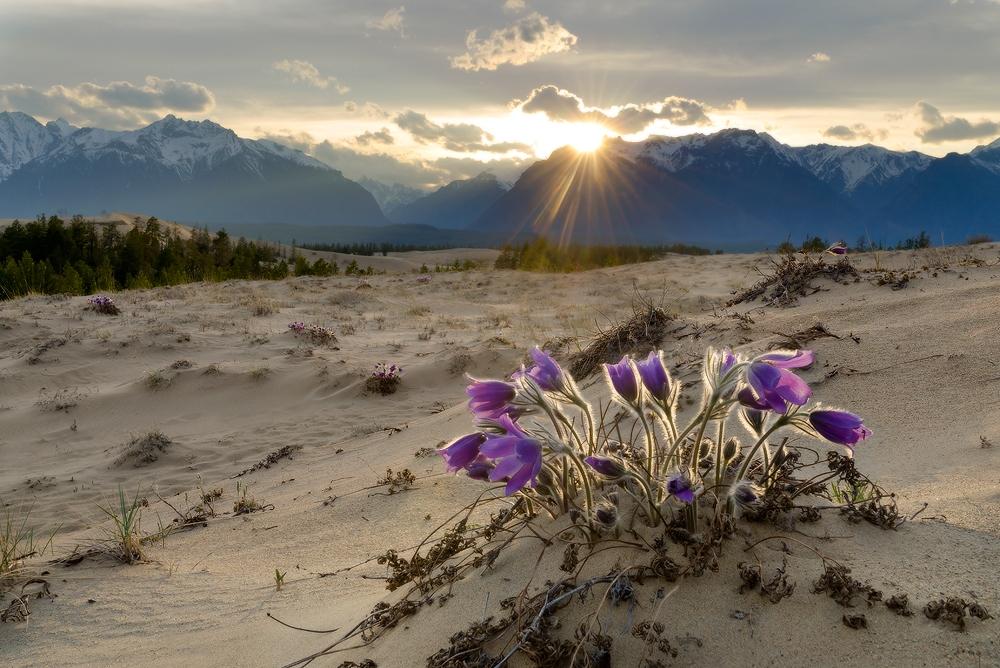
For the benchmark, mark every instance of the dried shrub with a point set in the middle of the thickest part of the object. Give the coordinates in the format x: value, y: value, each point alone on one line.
x: 955, y: 611
x: 792, y: 277
x: 143, y: 449
x: 640, y: 333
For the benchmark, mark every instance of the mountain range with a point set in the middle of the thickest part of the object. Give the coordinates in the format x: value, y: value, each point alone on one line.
x: 730, y: 189
x: 185, y: 170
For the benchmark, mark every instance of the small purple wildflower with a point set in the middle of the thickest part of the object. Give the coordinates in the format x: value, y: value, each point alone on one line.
x: 839, y: 248
x: 679, y: 486
x: 490, y: 398
x: 771, y: 384
x: 623, y: 380
x: 839, y: 426
x: 654, y: 375
x: 479, y: 468
x: 606, y: 466
x: 745, y: 493
x: 518, y: 456
x: 297, y: 327
x: 546, y: 372
x: 463, y: 451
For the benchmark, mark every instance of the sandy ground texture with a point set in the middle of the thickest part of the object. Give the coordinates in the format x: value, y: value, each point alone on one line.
x: 213, y: 368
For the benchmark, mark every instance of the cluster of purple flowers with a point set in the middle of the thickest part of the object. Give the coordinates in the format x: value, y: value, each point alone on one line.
x: 315, y: 333
x: 526, y: 440
x: 103, y: 304
x: 383, y: 371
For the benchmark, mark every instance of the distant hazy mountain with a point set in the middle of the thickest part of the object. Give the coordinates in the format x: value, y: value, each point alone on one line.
x: 456, y: 205
x: 184, y: 170
x: 743, y: 189
x: 390, y: 195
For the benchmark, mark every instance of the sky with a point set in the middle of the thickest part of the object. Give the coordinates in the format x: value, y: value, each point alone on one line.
x: 424, y: 91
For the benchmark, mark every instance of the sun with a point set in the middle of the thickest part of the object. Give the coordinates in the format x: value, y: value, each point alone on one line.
x: 585, y: 137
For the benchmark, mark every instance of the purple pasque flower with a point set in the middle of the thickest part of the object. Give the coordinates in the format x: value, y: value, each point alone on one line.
x: 623, y: 379
x: 490, y: 398
x: 680, y: 486
x: 839, y: 426
x: 839, y: 248
x: 479, y: 468
x: 607, y: 467
x: 518, y: 456
x: 771, y: 384
x: 546, y: 372
x: 463, y: 451
x: 745, y: 493
x: 654, y: 375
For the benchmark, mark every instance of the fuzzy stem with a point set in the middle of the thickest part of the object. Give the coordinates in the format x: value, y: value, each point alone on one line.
x: 780, y: 422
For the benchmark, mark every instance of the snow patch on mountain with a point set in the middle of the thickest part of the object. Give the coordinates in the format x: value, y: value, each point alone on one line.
x: 186, y: 147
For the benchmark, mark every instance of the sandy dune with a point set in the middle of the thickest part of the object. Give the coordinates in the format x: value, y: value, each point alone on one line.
x: 213, y: 367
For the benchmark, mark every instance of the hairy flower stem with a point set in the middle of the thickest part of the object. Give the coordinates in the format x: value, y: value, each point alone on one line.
x: 653, y: 509
x: 584, y: 407
x: 696, y: 450
x: 780, y: 422
x: 719, y: 465
x: 585, y: 477
x: 652, y: 456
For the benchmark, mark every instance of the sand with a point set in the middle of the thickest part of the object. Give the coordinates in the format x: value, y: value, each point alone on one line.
x: 213, y: 367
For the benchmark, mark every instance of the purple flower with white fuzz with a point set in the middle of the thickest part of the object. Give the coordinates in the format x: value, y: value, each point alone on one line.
x: 726, y: 362
x: 518, y: 456
x: 839, y: 248
x: 490, y: 398
x: 745, y: 494
x: 623, y: 380
x: 607, y: 467
x: 463, y: 451
x: 654, y: 375
x: 680, y: 486
x: 772, y: 386
x: 546, y: 372
x: 839, y: 426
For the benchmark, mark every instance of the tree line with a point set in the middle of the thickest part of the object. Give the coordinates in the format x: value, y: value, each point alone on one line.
x: 542, y: 255
x: 51, y: 256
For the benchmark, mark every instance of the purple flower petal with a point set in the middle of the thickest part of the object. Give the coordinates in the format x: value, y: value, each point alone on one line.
x: 623, y: 380
x: 788, y: 359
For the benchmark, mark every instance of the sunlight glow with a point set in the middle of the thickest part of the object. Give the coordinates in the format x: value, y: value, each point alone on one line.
x: 585, y: 137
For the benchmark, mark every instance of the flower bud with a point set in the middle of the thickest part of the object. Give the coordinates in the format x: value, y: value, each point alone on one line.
x: 606, y: 467
x: 730, y: 449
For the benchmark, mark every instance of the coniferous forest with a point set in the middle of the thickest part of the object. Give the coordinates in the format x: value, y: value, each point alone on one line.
x: 51, y: 256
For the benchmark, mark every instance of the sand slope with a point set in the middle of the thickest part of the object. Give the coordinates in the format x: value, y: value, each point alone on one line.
x: 925, y: 373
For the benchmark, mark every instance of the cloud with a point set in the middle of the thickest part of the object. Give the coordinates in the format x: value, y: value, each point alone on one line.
x: 458, y: 137
x: 302, y: 71
x: 938, y: 128
x: 391, y: 21
x: 526, y: 40
x: 119, y: 104
x: 413, y: 172
x: 382, y: 136
x: 818, y: 57
x: 514, y: 5
x: 855, y: 132
x: 561, y: 105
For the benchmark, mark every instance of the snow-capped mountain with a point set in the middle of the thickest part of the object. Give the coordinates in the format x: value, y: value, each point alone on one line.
x: 22, y: 139
x: 988, y: 156
x: 852, y: 168
x: 186, y: 170
x: 740, y: 189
